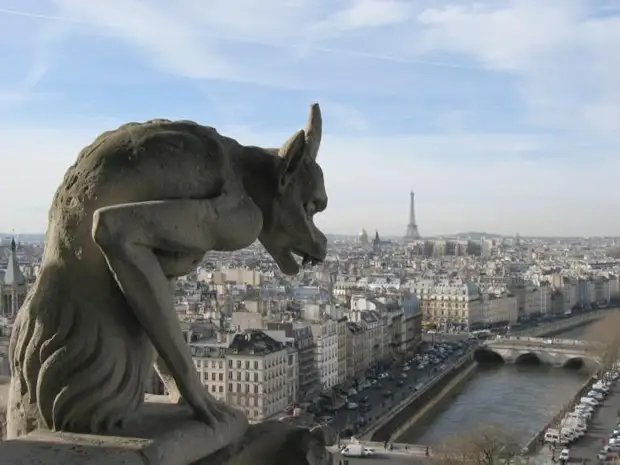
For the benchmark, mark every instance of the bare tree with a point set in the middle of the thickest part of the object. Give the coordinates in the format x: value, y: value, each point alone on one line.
x: 604, y: 335
x: 614, y: 253
x: 488, y: 445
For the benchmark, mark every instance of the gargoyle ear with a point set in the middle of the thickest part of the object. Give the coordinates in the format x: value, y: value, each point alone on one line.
x: 291, y: 153
x: 314, y: 131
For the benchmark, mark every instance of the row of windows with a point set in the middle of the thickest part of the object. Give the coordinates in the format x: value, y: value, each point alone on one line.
x: 256, y: 388
x: 247, y: 376
x: 219, y: 364
x: 255, y: 365
x: 443, y: 305
x: 241, y: 376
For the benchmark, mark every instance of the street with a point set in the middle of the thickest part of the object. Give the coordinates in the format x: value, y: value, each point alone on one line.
x: 379, y: 404
x: 600, y: 427
x: 379, y: 459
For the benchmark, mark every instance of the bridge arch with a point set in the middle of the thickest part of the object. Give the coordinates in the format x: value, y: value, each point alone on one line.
x: 574, y: 363
x: 485, y: 355
x: 528, y: 358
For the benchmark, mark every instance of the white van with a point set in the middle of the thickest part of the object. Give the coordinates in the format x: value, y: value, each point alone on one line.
x: 356, y: 450
x: 552, y: 436
x: 601, y: 386
x: 574, y: 429
x: 596, y: 395
x: 589, y: 401
x: 568, y: 435
x: 583, y: 411
x: 576, y: 418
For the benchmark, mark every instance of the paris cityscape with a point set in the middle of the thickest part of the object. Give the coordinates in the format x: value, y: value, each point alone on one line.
x: 348, y: 342
x: 425, y: 269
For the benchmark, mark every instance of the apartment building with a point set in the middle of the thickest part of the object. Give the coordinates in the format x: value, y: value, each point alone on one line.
x: 249, y: 370
x: 341, y: 329
x: 537, y: 299
x: 303, y: 341
x: 412, y: 324
x: 499, y: 309
x: 325, y: 335
x: 393, y: 324
x: 372, y: 324
x: 449, y: 303
x: 357, y: 363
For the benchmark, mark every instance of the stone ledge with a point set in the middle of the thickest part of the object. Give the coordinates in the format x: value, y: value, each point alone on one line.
x: 46, y: 448
x: 162, y: 434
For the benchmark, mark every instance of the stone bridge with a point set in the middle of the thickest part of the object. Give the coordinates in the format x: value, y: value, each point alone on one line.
x: 556, y: 352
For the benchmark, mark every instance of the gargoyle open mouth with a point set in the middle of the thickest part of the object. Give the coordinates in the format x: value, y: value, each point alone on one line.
x: 306, y: 258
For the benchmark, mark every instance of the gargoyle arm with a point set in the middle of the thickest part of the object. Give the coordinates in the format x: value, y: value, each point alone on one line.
x: 127, y: 235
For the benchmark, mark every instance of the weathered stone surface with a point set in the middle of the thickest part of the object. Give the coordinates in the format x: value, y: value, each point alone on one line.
x: 46, y: 448
x: 165, y: 434
x: 140, y: 207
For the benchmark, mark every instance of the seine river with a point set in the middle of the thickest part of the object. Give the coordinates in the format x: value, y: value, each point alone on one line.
x: 521, y: 398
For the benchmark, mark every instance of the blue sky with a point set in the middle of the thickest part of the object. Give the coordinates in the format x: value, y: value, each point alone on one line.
x: 503, y: 115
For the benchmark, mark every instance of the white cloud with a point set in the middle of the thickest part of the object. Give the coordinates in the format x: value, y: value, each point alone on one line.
x: 565, y: 58
x: 362, y: 14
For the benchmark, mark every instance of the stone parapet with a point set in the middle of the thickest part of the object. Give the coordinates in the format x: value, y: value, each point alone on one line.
x: 162, y: 434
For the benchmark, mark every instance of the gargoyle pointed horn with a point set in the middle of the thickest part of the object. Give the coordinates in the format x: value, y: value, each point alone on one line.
x: 314, y: 131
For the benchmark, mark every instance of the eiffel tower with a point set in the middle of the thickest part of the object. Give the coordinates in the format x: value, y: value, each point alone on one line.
x: 412, y: 233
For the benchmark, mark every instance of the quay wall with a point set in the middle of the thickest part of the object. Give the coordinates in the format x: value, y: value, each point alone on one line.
x: 428, y: 400
x: 562, y: 326
x: 384, y: 428
x: 438, y: 398
x: 536, y: 441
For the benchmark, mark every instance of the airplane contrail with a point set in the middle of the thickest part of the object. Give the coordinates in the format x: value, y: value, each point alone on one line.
x: 329, y: 50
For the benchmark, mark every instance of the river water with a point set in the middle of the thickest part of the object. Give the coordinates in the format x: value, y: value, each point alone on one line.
x: 520, y: 398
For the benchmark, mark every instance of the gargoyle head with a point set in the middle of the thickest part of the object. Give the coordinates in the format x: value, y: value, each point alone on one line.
x: 289, y: 228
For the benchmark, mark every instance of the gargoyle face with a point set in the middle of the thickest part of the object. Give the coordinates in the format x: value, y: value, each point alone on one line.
x: 290, y: 228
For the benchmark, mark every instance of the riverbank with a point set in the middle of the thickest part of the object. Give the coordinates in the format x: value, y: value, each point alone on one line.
x: 537, y: 440
x: 568, y: 324
x: 440, y: 397
x: 382, y: 430
x: 425, y: 405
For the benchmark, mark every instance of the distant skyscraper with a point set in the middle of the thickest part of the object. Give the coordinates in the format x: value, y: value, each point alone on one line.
x: 412, y: 233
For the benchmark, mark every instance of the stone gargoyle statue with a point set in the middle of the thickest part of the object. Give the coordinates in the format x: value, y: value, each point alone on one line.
x: 140, y: 207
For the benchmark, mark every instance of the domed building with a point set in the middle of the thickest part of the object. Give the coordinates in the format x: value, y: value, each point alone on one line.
x: 363, y: 237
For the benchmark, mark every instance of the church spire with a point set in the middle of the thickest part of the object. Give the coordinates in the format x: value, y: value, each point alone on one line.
x: 13, y: 275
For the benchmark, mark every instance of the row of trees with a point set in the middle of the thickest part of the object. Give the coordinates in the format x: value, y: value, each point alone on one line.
x: 604, y: 334
x: 488, y: 445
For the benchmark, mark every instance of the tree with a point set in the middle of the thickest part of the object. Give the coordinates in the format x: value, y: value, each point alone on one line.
x: 604, y: 335
x: 614, y: 253
x: 488, y: 445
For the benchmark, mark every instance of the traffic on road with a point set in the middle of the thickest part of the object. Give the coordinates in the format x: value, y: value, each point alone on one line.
x: 591, y: 431
x: 379, y: 458
x: 369, y: 399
